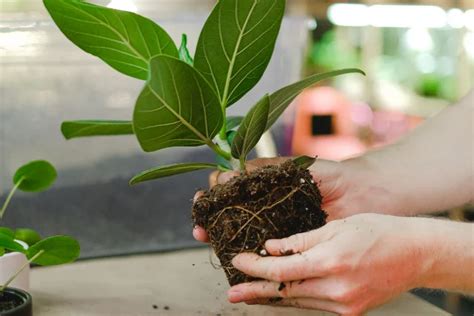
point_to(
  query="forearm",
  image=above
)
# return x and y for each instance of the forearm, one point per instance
(428, 171)
(449, 255)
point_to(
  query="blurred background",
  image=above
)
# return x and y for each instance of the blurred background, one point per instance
(418, 55)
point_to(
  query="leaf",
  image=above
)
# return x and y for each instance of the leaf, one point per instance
(233, 122)
(304, 161)
(177, 107)
(7, 232)
(9, 243)
(27, 235)
(2, 251)
(281, 99)
(166, 171)
(236, 45)
(56, 250)
(35, 176)
(251, 129)
(184, 54)
(75, 129)
(124, 40)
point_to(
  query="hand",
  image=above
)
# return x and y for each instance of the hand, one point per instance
(346, 267)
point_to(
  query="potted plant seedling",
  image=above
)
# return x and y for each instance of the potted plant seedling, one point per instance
(184, 103)
(21, 247)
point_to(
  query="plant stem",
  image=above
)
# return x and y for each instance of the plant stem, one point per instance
(3, 287)
(218, 150)
(9, 197)
(243, 169)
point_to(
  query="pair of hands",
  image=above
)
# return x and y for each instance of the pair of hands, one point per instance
(352, 264)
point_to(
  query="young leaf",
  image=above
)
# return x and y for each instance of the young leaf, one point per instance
(35, 176)
(75, 129)
(177, 107)
(184, 54)
(7, 232)
(56, 250)
(236, 45)
(251, 129)
(124, 40)
(29, 236)
(171, 170)
(304, 161)
(9, 243)
(233, 122)
(281, 99)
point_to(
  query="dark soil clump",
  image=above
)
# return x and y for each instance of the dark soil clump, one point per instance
(8, 301)
(271, 202)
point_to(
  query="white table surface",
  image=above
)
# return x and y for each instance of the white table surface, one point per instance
(183, 281)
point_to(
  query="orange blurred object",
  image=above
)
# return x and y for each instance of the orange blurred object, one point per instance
(324, 127)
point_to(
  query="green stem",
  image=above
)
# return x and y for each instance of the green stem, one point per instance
(3, 287)
(243, 169)
(9, 197)
(218, 150)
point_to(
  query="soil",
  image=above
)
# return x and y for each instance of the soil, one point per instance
(271, 202)
(9, 301)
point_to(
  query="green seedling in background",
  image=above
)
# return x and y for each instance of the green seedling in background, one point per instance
(185, 100)
(36, 176)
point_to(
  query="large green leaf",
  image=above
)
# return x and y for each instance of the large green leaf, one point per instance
(236, 45)
(124, 40)
(251, 129)
(8, 232)
(29, 236)
(171, 170)
(177, 107)
(75, 129)
(55, 250)
(9, 243)
(281, 99)
(35, 176)
(233, 122)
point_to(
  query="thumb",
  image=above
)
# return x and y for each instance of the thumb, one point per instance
(294, 244)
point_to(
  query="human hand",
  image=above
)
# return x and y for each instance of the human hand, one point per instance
(346, 267)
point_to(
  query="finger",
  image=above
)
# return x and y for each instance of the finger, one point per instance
(213, 178)
(278, 269)
(200, 234)
(310, 303)
(312, 288)
(262, 162)
(223, 177)
(197, 196)
(294, 244)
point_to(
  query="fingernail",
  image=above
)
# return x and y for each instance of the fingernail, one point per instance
(235, 296)
(272, 243)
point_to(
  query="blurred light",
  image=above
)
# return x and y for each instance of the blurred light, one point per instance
(125, 5)
(426, 63)
(469, 19)
(418, 39)
(312, 24)
(349, 14)
(468, 42)
(455, 18)
(407, 16)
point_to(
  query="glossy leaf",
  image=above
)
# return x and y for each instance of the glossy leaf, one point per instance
(176, 108)
(281, 99)
(56, 250)
(236, 45)
(171, 170)
(184, 54)
(27, 235)
(9, 243)
(75, 129)
(8, 232)
(251, 129)
(35, 176)
(233, 122)
(304, 161)
(124, 40)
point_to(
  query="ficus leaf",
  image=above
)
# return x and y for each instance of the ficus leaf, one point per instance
(83, 128)
(304, 161)
(177, 107)
(124, 40)
(56, 250)
(251, 129)
(170, 170)
(233, 122)
(236, 45)
(8, 232)
(281, 99)
(9, 243)
(184, 54)
(2, 251)
(29, 236)
(35, 176)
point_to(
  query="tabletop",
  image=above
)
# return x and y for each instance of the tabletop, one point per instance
(176, 283)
